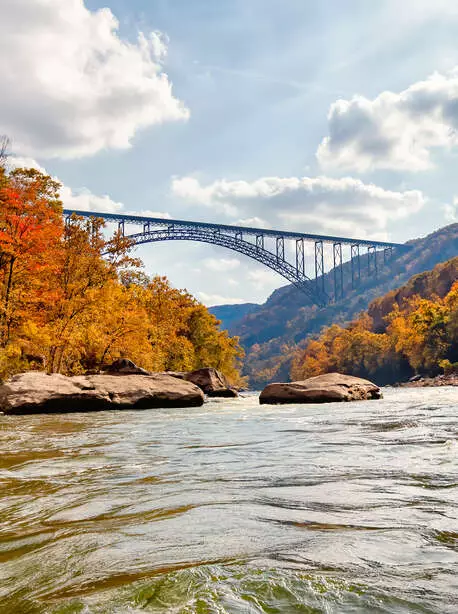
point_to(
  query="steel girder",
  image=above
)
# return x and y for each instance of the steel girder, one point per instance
(237, 238)
(338, 271)
(274, 261)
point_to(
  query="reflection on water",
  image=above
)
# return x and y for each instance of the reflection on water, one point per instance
(233, 507)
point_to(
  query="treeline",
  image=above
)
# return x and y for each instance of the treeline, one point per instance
(413, 330)
(72, 300)
(273, 331)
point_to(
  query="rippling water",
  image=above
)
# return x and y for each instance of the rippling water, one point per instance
(233, 508)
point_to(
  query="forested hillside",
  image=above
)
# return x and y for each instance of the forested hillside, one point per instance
(228, 315)
(271, 333)
(413, 330)
(72, 300)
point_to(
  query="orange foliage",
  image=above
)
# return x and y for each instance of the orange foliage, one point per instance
(421, 336)
(72, 300)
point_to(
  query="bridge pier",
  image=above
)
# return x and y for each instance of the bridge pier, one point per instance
(319, 267)
(300, 257)
(121, 227)
(372, 261)
(338, 271)
(280, 243)
(355, 266)
(387, 255)
(259, 242)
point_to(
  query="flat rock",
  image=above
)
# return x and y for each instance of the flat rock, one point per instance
(328, 388)
(210, 381)
(36, 392)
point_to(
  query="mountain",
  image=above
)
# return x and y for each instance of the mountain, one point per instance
(229, 314)
(272, 331)
(412, 330)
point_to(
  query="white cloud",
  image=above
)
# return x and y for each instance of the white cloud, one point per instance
(149, 213)
(71, 86)
(315, 205)
(25, 162)
(265, 278)
(221, 264)
(189, 189)
(451, 210)
(253, 222)
(83, 199)
(394, 130)
(216, 299)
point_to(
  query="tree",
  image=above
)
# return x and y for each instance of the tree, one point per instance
(30, 230)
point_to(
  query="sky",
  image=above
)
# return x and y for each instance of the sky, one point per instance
(319, 116)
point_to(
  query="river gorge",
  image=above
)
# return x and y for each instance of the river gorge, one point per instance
(233, 508)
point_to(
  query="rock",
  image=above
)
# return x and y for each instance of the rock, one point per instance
(212, 382)
(228, 393)
(177, 374)
(36, 392)
(123, 366)
(326, 388)
(415, 378)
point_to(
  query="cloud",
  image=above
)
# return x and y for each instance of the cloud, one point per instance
(85, 200)
(265, 278)
(394, 131)
(149, 213)
(71, 86)
(315, 205)
(189, 189)
(253, 222)
(451, 210)
(217, 299)
(82, 199)
(221, 264)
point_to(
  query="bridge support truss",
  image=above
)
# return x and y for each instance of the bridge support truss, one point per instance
(325, 280)
(355, 260)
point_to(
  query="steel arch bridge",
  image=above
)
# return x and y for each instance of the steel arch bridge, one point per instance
(252, 242)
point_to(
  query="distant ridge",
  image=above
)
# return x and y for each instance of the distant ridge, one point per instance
(269, 331)
(229, 314)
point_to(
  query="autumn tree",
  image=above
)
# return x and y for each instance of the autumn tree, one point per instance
(73, 300)
(86, 264)
(30, 230)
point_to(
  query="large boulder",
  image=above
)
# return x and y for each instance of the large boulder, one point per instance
(210, 381)
(124, 366)
(327, 388)
(36, 392)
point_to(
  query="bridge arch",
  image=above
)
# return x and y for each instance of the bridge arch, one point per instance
(236, 238)
(257, 252)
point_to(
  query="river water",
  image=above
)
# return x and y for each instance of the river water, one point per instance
(233, 507)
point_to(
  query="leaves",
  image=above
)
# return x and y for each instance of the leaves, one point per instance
(74, 300)
(421, 335)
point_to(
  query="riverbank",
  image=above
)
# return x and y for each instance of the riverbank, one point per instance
(426, 382)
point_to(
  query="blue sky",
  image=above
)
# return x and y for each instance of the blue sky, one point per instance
(252, 128)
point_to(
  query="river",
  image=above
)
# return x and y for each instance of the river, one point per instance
(233, 508)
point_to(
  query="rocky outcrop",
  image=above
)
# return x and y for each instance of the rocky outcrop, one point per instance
(36, 392)
(210, 381)
(328, 388)
(123, 366)
(419, 381)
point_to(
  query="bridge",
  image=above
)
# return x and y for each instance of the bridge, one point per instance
(267, 247)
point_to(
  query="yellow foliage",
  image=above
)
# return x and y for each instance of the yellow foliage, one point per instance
(421, 336)
(72, 301)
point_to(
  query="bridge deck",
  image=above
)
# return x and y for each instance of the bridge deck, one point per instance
(141, 220)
